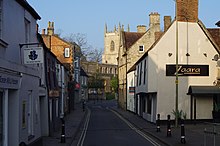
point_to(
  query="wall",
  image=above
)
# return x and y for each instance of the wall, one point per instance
(192, 40)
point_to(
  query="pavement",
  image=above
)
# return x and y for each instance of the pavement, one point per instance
(194, 133)
(73, 122)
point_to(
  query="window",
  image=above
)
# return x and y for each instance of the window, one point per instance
(141, 48)
(137, 75)
(112, 46)
(67, 52)
(149, 100)
(140, 74)
(27, 30)
(144, 71)
(1, 19)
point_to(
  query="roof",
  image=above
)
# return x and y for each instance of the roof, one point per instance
(215, 33)
(83, 73)
(218, 23)
(131, 37)
(26, 5)
(214, 40)
(205, 90)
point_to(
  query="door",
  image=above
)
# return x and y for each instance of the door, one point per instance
(1, 118)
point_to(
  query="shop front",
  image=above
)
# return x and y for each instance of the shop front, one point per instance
(203, 101)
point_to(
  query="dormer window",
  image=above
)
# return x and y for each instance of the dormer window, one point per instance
(141, 48)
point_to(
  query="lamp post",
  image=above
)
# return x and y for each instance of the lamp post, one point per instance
(177, 81)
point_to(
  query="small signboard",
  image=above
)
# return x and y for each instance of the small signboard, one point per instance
(33, 55)
(187, 70)
(131, 90)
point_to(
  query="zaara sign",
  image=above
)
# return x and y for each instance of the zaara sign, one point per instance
(33, 55)
(187, 70)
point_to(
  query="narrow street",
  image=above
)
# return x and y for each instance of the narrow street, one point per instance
(104, 127)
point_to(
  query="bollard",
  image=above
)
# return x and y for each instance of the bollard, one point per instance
(63, 138)
(168, 126)
(22, 144)
(158, 122)
(183, 140)
(83, 105)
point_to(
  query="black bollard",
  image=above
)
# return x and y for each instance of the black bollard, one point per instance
(168, 126)
(83, 104)
(158, 122)
(183, 140)
(63, 138)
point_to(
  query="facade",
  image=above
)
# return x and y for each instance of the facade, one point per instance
(65, 53)
(20, 102)
(157, 88)
(111, 45)
(132, 47)
(106, 71)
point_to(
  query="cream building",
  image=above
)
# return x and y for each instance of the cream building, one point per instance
(132, 46)
(197, 71)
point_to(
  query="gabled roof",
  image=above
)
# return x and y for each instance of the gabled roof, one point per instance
(215, 33)
(26, 5)
(83, 73)
(131, 37)
(215, 42)
(218, 24)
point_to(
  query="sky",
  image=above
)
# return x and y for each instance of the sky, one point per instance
(90, 16)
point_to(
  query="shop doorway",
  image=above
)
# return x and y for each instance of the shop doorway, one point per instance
(1, 118)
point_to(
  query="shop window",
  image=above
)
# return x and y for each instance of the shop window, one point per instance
(149, 105)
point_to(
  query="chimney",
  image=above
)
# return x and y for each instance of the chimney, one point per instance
(43, 31)
(187, 10)
(141, 28)
(154, 19)
(50, 28)
(157, 35)
(167, 22)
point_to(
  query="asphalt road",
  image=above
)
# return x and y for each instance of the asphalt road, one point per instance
(104, 127)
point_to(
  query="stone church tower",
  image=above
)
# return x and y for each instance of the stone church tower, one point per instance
(111, 45)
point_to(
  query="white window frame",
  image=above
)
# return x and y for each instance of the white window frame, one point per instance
(141, 47)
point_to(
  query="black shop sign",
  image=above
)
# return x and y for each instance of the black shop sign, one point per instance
(187, 70)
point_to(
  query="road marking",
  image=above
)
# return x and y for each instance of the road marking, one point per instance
(85, 127)
(136, 130)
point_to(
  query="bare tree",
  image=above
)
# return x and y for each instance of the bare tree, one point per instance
(87, 50)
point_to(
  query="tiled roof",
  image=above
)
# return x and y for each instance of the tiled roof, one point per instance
(215, 33)
(131, 37)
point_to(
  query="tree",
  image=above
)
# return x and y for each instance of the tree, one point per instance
(114, 84)
(91, 54)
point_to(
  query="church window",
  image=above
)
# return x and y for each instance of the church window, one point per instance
(112, 47)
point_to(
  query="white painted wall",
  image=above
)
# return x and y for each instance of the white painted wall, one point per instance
(131, 96)
(11, 60)
(192, 40)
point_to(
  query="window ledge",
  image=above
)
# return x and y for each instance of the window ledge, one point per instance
(3, 43)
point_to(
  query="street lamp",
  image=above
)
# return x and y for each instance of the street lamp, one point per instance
(177, 82)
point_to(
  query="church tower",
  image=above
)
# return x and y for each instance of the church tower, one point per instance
(111, 45)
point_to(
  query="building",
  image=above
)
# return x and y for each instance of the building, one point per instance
(20, 101)
(160, 89)
(66, 54)
(105, 71)
(132, 47)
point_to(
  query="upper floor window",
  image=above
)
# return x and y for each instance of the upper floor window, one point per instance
(141, 48)
(145, 71)
(112, 47)
(1, 19)
(27, 30)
